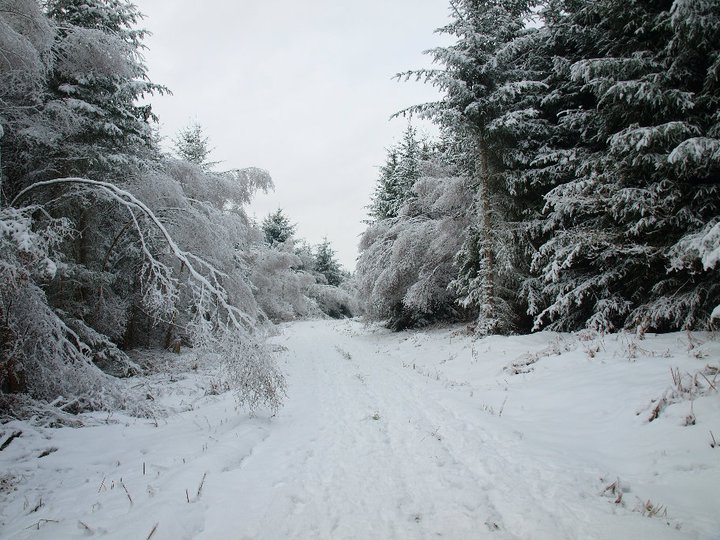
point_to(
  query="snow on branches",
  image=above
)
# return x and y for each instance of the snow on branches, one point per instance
(217, 325)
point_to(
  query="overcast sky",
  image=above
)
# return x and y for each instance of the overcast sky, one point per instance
(302, 88)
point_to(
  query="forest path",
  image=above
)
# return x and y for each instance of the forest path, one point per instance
(386, 436)
(367, 446)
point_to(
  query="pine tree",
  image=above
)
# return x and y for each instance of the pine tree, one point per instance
(95, 86)
(688, 295)
(192, 145)
(326, 263)
(277, 228)
(484, 83)
(633, 100)
(382, 203)
(397, 177)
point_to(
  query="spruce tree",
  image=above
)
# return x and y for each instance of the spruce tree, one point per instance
(636, 102)
(277, 228)
(326, 263)
(485, 84)
(397, 176)
(95, 86)
(192, 145)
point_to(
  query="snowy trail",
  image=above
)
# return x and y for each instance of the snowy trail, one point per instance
(387, 436)
(369, 448)
(359, 457)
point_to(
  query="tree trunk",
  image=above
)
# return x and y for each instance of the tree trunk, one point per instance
(482, 177)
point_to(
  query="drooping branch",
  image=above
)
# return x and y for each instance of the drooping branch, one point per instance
(239, 320)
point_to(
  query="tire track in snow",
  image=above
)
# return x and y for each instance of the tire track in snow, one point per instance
(366, 448)
(520, 501)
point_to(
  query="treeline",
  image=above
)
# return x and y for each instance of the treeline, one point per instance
(576, 181)
(107, 243)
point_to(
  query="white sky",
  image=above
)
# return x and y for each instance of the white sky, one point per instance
(302, 88)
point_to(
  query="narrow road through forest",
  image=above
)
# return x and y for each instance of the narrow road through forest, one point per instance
(370, 447)
(383, 436)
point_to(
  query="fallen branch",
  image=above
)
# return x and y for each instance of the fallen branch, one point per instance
(10, 439)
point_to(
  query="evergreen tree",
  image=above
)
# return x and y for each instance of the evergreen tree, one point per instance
(94, 88)
(638, 97)
(397, 177)
(590, 145)
(382, 203)
(326, 263)
(193, 146)
(485, 82)
(277, 228)
(406, 263)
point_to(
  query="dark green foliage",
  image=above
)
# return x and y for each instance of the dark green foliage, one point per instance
(397, 176)
(636, 115)
(277, 228)
(326, 263)
(590, 141)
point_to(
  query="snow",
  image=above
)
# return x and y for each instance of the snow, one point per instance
(409, 435)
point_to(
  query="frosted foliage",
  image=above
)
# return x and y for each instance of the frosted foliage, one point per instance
(278, 288)
(252, 371)
(277, 228)
(695, 18)
(234, 188)
(202, 218)
(192, 145)
(326, 265)
(703, 246)
(25, 37)
(216, 324)
(639, 139)
(335, 302)
(697, 155)
(85, 51)
(20, 240)
(25, 41)
(39, 354)
(406, 263)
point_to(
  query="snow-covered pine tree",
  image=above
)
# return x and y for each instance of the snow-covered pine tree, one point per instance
(381, 206)
(326, 263)
(96, 83)
(192, 145)
(277, 228)
(397, 176)
(688, 296)
(483, 80)
(635, 95)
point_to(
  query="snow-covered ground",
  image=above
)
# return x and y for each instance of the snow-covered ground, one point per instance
(412, 435)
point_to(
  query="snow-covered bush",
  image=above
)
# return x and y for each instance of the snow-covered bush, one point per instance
(335, 302)
(407, 262)
(213, 322)
(279, 288)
